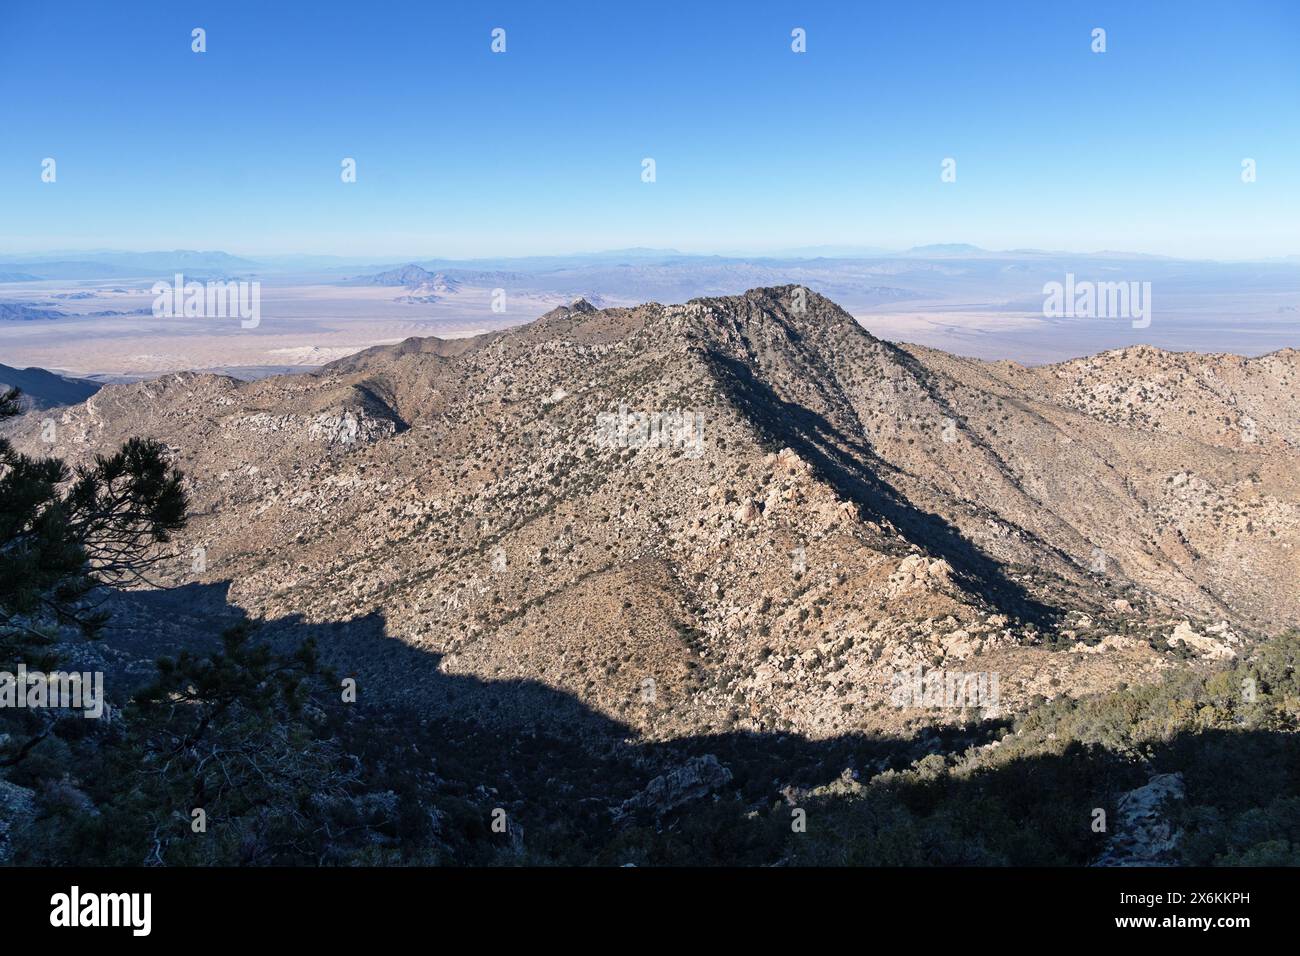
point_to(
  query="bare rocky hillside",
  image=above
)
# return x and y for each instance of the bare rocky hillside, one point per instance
(803, 512)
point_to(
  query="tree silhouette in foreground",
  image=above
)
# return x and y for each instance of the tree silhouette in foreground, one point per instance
(65, 532)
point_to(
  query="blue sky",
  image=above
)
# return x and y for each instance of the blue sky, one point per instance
(461, 152)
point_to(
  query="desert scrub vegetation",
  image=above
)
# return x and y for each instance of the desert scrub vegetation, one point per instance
(1029, 797)
(375, 789)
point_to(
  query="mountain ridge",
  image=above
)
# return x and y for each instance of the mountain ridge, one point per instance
(856, 508)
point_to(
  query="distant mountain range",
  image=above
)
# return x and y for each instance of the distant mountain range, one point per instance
(26, 312)
(955, 296)
(30, 267)
(107, 265)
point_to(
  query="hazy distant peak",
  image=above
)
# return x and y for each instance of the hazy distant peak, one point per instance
(946, 249)
(410, 275)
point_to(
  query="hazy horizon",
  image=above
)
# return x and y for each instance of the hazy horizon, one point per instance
(936, 249)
